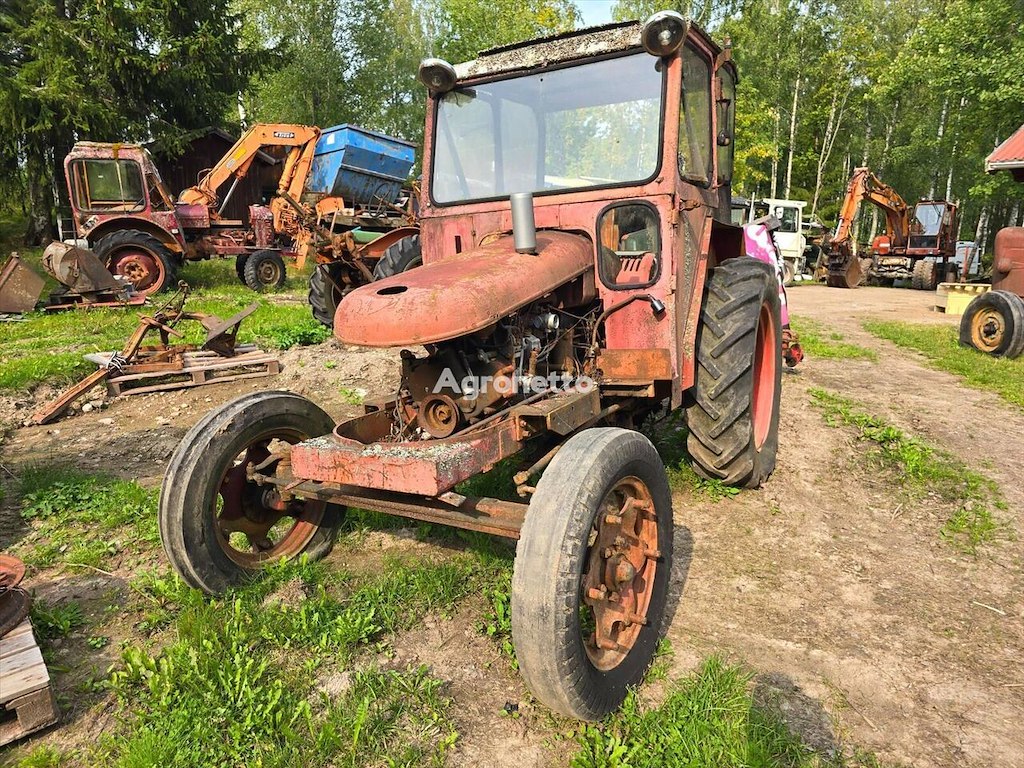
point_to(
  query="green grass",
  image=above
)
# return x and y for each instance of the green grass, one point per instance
(821, 343)
(708, 719)
(81, 519)
(49, 347)
(920, 469)
(52, 621)
(939, 343)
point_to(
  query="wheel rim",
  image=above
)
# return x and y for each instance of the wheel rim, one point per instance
(254, 526)
(143, 269)
(765, 364)
(268, 272)
(988, 329)
(621, 568)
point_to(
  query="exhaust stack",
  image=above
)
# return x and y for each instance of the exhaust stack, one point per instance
(524, 228)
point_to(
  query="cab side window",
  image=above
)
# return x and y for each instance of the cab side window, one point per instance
(695, 158)
(629, 244)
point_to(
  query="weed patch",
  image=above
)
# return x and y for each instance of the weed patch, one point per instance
(819, 342)
(708, 719)
(81, 519)
(941, 346)
(53, 621)
(921, 469)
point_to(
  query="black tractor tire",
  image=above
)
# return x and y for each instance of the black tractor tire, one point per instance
(263, 270)
(733, 436)
(925, 276)
(993, 323)
(399, 257)
(146, 262)
(554, 558)
(324, 294)
(188, 518)
(240, 260)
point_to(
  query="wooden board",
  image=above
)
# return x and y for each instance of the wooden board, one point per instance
(26, 696)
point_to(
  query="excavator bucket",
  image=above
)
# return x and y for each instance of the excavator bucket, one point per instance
(19, 287)
(78, 269)
(844, 270)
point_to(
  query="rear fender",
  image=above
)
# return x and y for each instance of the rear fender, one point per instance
(142, 225)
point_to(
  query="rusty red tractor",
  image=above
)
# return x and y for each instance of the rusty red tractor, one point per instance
(580, 276)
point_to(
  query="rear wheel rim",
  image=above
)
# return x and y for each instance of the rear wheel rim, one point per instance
(988, 329)
(253, 525)
(621, 567)
(765, 365)
(142, 268)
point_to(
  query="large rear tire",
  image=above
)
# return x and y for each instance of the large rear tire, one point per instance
(591, 573)
(399, 257)
(993, 323)
(925, 276)
(140, 258)
(733, 418)
(219, 528)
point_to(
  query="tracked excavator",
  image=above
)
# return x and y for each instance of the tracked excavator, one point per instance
(918, 243)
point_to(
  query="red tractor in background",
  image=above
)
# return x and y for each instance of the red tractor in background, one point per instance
(581, 276)
(994, 322)
(130, 220)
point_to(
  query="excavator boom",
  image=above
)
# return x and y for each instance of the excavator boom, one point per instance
(301, 139)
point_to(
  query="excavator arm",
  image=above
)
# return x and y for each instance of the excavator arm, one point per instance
(235, 164)
(865, 186)
(843, 265)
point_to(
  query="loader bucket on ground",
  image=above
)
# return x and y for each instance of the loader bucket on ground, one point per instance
(19, 287)
(78, 269)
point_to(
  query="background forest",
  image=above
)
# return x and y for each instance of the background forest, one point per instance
(920, 90)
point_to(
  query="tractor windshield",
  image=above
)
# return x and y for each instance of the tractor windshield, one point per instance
(595, 124)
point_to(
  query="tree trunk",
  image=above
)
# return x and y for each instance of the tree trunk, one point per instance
(938, 142)
(792, 138)
(775, 154)
(40, 229)
(835, 118)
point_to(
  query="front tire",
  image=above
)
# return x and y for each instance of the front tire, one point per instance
(590, 580)
(733, 418)
(219, 528)
(925, 276)
(263, 270)
(993, 323)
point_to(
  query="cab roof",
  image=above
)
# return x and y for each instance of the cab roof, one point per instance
(586, 43)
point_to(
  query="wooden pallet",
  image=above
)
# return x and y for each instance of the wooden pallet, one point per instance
(26, 696)
(192, 369)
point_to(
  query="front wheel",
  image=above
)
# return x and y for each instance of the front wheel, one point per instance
(591, 573)
(733, 415)
(218, 527)
(263, 270)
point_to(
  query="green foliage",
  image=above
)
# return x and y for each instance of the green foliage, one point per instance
(708, 719)
(497, 622)
(940, 345)
(42, 757)
(968, 496)
(83, 519)
(820, 343)
(55, 620)
(236, 684)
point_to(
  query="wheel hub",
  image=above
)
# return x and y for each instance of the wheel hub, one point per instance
(268, 272)
(621, 568)
(988, 330)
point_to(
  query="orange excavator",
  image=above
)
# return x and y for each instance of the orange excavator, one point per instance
(917, 245)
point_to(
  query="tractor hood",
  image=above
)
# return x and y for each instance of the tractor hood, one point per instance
(460, 295)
